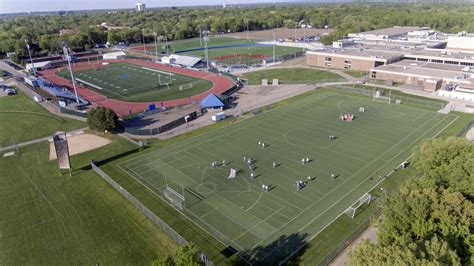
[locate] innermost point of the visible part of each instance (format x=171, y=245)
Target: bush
x=102, y=119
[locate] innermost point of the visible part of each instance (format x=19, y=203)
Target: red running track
x=220, y=84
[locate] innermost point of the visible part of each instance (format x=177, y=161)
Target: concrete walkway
x=343, y=257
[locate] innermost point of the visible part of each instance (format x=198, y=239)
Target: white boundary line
x=90, y=84
x=159, y=71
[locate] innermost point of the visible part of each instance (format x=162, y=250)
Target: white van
x=38, y=98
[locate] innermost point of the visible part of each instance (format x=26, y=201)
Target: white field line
x=159, y=71
x=90, y=84
x=372, y=188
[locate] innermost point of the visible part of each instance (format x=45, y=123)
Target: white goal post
x=351, y=211
x=186, y=86
x=233, y=173
x=176, y=199
x=380, y=97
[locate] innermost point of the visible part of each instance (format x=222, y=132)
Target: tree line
x=180, y=23
x=429, y=221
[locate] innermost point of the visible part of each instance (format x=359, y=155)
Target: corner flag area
x=295, y=169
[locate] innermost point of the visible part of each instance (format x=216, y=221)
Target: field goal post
x=351, y=211
x=176, y=199
x=380, y=97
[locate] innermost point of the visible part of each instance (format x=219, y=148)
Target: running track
x=220, y=84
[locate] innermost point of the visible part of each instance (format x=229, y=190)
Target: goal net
x=176, y=199
x=380, y=97
x=186, y=86
x=233, y=173
x=351, y=211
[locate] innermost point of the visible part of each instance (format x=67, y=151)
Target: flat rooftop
x=361, y=52
x=388, y=31
x=431, y=70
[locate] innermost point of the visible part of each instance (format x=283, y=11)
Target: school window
x=347, y=66
x=347, y=61
x=374, y=74
x=328, y=59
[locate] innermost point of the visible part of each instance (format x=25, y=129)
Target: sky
x=13, y=6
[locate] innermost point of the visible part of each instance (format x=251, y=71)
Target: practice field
x=264, y=225
x=292, y=76
x=134, y=83
x=227, y=55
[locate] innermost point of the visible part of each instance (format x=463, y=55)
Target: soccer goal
x=233, y=173
x=380, y=97
x=186, y=86
x=176, y=199
x=351, y=211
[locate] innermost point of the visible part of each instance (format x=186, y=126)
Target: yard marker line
x=90, y=84
x=207, y=213
x=372, y=188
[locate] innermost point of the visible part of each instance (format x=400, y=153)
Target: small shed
x=212, y=102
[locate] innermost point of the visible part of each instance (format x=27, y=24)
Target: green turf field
x=244, y=52
x=22, y=119
x=52, y=219
x=264, y=225
x=292, y=76
x=134, y=83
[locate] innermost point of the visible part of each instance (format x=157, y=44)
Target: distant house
x=65, y=31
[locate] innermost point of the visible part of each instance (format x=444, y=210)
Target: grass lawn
x=355, y=73
x=134, y=83
x=22, y=119
x=292, y=76
x=268, y=226
x=52, y=219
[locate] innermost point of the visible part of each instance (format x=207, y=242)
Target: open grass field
x=267, y=226
x=22, y=119
x=228, y=55
x=134, y=83
x=52, y=219
x=291, y=76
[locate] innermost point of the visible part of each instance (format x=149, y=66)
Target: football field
x=266, y=225
x=135, y=83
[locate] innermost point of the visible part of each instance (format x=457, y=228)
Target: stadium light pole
x=247, y=21
x=66, y=53
x=143, y=38
x=31, y=58
x=295, y=31
x=166, y=42
x=156, y=48
x=206, y=51
x=274, y=40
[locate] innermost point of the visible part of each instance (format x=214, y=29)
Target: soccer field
x=134, y=83
x=267, y=226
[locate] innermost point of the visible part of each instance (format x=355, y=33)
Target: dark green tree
x=184, y=256
x=102, y=119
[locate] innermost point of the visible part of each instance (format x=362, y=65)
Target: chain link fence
x=465, y=129
x=394, y=97
x=147, y=212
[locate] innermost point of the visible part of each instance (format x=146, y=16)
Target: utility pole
x=295, y=31
x=274, y=40
x=206, y=50
x=31, y=58
x=200, y=37
x=143, y=37
x=156, y=48
x=247, y=21
x=166, y=42
x=66, y=53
